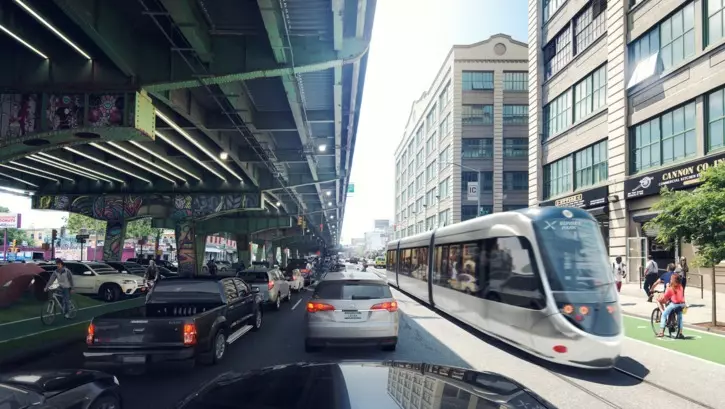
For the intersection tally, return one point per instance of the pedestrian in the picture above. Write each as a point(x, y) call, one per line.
point(683, 269)
point(618, 269)
point(651, 271)
point(65, 283)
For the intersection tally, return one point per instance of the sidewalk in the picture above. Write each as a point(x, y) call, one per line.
point(634, 302)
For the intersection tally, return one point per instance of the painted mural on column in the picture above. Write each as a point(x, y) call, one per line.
point(113, 243)
point(186, 251)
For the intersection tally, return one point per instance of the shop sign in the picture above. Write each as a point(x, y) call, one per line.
point(587, 199)
point(9, 221)
point(682, 177)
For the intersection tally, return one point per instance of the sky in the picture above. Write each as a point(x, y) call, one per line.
point(410, 40)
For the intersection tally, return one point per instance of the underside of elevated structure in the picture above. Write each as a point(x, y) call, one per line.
point(255, 100)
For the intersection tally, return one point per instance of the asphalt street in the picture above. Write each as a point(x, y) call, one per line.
point(426, 336)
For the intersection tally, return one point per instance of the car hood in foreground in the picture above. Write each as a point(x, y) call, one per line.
point(362, 385)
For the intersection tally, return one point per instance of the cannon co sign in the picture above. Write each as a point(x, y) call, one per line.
point(681, 177)
point(9, 220)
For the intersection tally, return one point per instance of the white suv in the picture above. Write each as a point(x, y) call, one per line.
point(91, 278)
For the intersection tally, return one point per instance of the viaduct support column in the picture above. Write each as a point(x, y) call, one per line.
point(244, 251)
point(260, 256)
point(190, 248)
point(113, 242)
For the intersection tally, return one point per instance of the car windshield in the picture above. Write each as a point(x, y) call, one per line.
point(575, 256)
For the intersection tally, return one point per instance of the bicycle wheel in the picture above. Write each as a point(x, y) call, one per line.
point(655, 320)
point(72, 309)
point(48, 313)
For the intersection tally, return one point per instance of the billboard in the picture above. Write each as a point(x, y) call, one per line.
point(382, 224)
point(9, 220)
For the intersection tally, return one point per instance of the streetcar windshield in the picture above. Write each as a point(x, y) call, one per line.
point(574, 255)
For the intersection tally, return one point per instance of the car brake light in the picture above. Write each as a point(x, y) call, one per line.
point(189, 334)
point(91, 334)
point(318, 306)
point(270, 284)
point(391, 306)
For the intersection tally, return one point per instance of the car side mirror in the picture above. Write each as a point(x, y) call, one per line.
point(255, 290)
point(87, 273)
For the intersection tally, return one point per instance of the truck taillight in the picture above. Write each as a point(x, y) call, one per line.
point(91, 334)
point(318, 306)
point(391, 306)
point(189, 334)
point(270, 285)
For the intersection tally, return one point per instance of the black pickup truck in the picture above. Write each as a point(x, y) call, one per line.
point(184, 320)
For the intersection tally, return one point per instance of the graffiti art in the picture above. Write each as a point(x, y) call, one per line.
point(65, 111)
point(18, 115)
point(185, 248)
point(113, 244)
point(105, 110)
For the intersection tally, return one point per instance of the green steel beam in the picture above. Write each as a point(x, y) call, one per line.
point(237, 225)
point(188, 18)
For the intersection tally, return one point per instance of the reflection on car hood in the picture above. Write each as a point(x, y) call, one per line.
point(362, 385)
point(52, 381)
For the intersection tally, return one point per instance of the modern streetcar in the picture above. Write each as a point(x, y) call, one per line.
point(538, 279)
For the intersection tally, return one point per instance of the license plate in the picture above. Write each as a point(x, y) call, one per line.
point(134, 359)
point(352, 315)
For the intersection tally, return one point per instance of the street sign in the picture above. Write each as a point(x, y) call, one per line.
point(351, 188)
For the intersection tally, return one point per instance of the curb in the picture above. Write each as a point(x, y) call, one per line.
point(690, 326)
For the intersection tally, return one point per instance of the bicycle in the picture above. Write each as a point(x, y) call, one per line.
point(54, 306)
point(672, 324)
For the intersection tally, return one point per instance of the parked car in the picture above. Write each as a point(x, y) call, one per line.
point(171, 265)
point(64, 389)
point(272, 285)
point(183, 320)
point(92, 278)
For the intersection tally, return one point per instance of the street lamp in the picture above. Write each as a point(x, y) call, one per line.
point(478, 187)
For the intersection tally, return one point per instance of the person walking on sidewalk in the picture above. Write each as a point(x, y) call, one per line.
point(651, 271)
point(682, 269)
point(65, 283)
point(619, 272)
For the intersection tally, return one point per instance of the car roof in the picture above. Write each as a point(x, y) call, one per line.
point(353, 275)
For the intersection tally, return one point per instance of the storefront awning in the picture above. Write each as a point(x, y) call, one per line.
point(644, 217)
point(598, 211)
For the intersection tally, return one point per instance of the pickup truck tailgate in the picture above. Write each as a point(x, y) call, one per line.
point(146, 331)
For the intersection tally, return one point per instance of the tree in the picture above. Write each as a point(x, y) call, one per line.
point(696, 217)
point(141, 228)
point(75, 222)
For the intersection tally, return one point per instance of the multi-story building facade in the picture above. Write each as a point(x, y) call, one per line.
point(626, 96)
point(472, 120)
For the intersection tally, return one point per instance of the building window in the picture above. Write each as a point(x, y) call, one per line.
point(557, 115)
point(477, 115)
point(444, 218)
point(551, 7)
point(509, 208)
point(665, 46)
point(430, 144)
point(715, 25)
point(665, 139)
point(557, 177)
point(515, 181)
point(430, 119)
point(516, 114)
point(477, 80)
point(590, 24)
point(445, 96)
point(468, 212)
point(715, 119)
point(444, 157)
point(515, 147)
point(473, 177)
point(557, 53)
point(430, 223)
point(590, 93)
point(430, 197)
point(419, 182)
point(516, 81)
point(445, 126)
point(477, 148)
point(591, 165)
point(443, 189)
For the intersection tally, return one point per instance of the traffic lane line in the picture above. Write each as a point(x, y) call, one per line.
point(699, 344)
point(484, 353)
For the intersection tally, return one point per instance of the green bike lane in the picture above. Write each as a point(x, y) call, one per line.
point(700, 344)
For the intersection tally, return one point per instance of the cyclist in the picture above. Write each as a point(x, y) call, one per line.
point(65, 282)
point(152, 272)
point(664, 279)
point(675, 294)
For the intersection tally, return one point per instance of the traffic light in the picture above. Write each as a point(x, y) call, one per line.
point(15, 242)
point(54, 235)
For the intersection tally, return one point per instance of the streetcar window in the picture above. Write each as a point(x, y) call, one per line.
point(438, 256)
point(421, 273)
point(405, 262)
point(512, 275)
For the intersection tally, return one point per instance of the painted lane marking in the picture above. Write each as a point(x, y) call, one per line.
point(296, 304)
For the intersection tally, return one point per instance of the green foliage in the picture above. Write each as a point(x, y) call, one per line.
point(141, 228)
point(4, 209)
point(75, 222)
point(697, 217)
